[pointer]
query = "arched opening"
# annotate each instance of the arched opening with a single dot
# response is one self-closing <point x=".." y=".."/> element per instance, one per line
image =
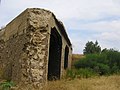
<point x="66" y="57"/>
<point x="54" y="64"/>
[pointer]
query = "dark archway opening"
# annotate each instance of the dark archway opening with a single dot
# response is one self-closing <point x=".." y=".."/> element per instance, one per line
<point x="54" y="64"/>
<point x="66" y="57"/>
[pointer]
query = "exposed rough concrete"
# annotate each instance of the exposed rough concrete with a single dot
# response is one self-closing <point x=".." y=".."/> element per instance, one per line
<point x="24" y="48"/>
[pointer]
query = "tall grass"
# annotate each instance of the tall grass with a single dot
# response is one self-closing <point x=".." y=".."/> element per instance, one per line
<point x="96" y="83"/>
<point x="80" y="73"/>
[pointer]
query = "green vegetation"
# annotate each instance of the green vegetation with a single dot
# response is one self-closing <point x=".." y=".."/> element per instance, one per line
<point x="103" y="62"/>
<point x="80" y="73"/>
<point x="96" y="62"/>
<point x="95" y="66"/>
<point x="6" y="85"/>
<point x="106" y="63"/>
<point x="92" y="48"/>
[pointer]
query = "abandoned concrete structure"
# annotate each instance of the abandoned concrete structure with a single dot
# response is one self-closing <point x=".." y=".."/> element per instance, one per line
<point x="34" y="48"/>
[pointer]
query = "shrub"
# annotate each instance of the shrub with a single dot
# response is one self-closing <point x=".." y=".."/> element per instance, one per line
<point x="114" y="58"/>
<point x="115" y="69"/>
<point x="108" y="62"/>
<point x="81" y="63"/>
<point x="90" y="61"/>
<point x="103" y="69"/>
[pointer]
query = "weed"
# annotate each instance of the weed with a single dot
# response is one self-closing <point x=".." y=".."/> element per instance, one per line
<point x="6" y="85"/>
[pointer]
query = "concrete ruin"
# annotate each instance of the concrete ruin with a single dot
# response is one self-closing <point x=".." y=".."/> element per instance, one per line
<point x="34" y="48"/>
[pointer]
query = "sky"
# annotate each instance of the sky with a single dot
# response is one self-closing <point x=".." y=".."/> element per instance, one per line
<point x="84" y="20"/>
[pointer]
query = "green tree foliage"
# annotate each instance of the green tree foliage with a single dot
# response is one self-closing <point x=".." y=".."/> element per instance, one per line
<point x="92" y="48"/>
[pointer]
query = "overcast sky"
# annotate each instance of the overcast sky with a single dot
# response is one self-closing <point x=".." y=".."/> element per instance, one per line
<point x="84" y="20"/>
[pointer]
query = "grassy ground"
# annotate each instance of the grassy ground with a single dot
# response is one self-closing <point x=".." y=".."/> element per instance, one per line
<point x="97" y="83"/>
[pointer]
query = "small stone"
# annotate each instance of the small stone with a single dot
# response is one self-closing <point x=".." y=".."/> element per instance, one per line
<point x="41" y="72"/>
<point x="41" y="56"/>
<point x="34" y="64"/>
<point x="31" y="52"/>
<point x="35" y="56"/>
<point x="41" y="64"/>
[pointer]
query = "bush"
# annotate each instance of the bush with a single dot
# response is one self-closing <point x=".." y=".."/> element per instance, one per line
<point x="114" y="58"/>
<point x="115" y="69"/>
<point x="103" y="69"/>
<point x="108" y="62"/>
<point x="90" y="61"/>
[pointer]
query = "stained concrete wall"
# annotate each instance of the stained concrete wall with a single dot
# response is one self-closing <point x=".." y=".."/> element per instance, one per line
<point x="24" y="47"/>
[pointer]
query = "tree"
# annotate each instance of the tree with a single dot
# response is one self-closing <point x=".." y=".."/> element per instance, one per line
<point x="109" y="50"/>
<point x="92" y="48"/>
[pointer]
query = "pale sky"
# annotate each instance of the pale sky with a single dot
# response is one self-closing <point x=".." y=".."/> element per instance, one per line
<point x="84" y="20"/>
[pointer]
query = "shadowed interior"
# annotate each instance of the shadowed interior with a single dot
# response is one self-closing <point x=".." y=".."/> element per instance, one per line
<point x="54" y="64"/>
<point x="66" y="57"/>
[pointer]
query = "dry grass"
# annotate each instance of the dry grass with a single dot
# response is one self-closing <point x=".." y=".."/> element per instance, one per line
<point x="98" y="83"/>
<point x="76" y="57"/>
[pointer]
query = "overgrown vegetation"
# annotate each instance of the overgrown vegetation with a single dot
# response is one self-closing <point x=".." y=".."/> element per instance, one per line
<point x="105" y="62"/>
<point x="80" y="73"/>
<point x="93" y="66"/>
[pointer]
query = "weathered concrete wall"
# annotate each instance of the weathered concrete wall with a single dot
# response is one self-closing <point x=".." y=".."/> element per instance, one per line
<point x="53" y="23"/>
<point x="12" y="40"/>
<point x="24" y="47"/>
